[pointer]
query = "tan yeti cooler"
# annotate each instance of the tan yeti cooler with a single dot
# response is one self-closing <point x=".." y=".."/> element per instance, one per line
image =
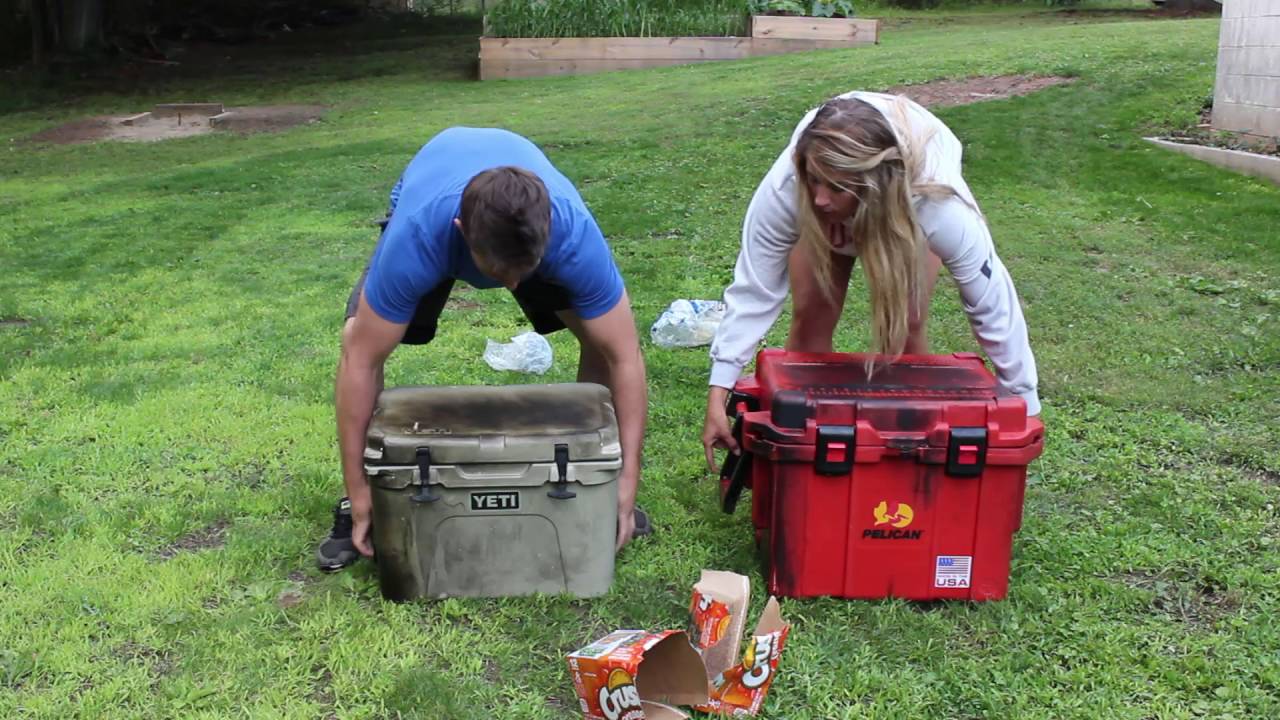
<point x="494" y="491"/>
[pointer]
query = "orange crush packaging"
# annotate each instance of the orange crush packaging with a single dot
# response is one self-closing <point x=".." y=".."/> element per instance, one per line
<point x="719" y="608"/>
<point x="718" y="613"/>
<point x="637" y="675"/>
<point x="741" y="689"/>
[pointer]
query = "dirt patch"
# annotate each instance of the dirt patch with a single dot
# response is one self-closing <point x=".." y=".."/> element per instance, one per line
<point x="1194" y="603"/>
<point x="322" y="687"/>
<point x="290" y="598"/>
<point x="1261" y="475"/>
<point x="1202" y="133"/>
<point x="945" y="93"/>
<point x="14" y="322"/>
<point x="158" y="662"/>
<point x="243" y="120"/>
<point x="1266" y="477"/>
<point x="208" y="538"/>
<point x="459" y="299"/>
<point x="460" y="304"/>
<point x="1157" y="13"/>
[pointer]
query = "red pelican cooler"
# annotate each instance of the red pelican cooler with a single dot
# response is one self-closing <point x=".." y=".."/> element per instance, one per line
<point x="906" y="483"/>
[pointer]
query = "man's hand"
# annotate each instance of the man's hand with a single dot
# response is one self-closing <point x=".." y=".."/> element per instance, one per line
<point x="612" y="339"/>
<point x="362" y="521"/>
<point x="626" y="526"/>
<point x="715" y="429"/>
<point x="367" y="340"/>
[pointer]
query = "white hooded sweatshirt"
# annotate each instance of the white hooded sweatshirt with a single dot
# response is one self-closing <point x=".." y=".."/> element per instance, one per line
<point x="955" y="230"/>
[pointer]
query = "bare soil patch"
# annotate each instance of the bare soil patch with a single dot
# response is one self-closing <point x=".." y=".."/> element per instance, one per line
<point x="1202" y="133"/>
<point x="944" y="93"/>
<point x="243" y="120"/>
<point x="1193" y="603"/>
<point x="207" y="538"/>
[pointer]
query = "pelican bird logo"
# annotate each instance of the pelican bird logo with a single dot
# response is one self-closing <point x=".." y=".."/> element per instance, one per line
<point x="900" y="518"/>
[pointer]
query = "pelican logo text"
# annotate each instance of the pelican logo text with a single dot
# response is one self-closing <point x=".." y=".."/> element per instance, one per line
<point x="760" y="654"/>
<point x="495" y="501"/>
<point x="619" y="699"/>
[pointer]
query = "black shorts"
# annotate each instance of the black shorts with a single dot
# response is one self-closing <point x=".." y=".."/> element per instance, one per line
<point x="539" y="299"/>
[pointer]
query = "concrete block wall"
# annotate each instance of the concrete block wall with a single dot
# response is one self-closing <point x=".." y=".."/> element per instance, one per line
<point x="1246" y="95"/>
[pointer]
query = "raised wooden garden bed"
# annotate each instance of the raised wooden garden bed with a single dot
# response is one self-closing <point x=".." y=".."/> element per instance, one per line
<point x="857" y="31"/>
<point x="532" y="57"/>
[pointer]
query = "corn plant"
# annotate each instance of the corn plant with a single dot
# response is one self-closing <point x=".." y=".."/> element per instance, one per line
<point x="618" y="18"/>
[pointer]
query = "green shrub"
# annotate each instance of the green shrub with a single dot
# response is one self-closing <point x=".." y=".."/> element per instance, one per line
<point x="618" y="18"/>
<point x="818" y="8"/>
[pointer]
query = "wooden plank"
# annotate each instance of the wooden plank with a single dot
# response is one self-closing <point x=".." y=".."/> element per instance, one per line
<point x="777" y="46"/>
<point x="534" y="57"/>
<point x="499" y="69"/>
<point x="856" y="31"/>
<point x="189" y="109"/>
<point x="676" y="48"/>
<point x="611" y="48"/>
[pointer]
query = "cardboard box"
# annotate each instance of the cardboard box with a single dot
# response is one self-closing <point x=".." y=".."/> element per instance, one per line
<point x="633" y="675"/>
<point x="720" y="602"/>
<point x="639" y="675"/>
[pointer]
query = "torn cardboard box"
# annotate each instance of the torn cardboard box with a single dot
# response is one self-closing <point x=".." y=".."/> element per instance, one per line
<point x="637" y="675"/>
<point x="719" y="609"/>
<point x="633" y="674"/>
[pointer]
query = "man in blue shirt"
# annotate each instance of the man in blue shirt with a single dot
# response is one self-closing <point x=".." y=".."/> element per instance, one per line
<point x="487" y="207"/>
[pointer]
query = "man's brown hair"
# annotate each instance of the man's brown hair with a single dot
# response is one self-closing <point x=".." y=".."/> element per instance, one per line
<point x="506" y="219"/>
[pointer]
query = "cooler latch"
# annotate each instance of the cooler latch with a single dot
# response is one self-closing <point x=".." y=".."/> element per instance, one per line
<point x="836" y="446"/>
<point x="425" y="494"/>
<point x="967" y="451"/>
<point x="560" y="489"/>
<point x="735" y="470"/>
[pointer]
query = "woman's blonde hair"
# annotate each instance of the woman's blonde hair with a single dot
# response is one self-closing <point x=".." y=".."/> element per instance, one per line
<point x="852" y="147"/>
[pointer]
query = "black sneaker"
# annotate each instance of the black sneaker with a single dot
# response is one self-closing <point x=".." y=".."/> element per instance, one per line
<point x="643" y="527"/>
<point x="338" y="551"/>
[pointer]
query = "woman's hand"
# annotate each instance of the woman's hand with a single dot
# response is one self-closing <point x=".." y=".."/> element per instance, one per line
<point x="715" y="429"/>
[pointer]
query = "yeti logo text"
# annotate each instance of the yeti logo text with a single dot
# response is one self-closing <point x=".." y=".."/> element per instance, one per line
<point x="495" y="501"/>
<point x="619" y="699"/>
<point x="761" y="652"/>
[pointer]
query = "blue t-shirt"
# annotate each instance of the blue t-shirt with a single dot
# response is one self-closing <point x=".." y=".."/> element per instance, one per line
<point x="421" y="247"/>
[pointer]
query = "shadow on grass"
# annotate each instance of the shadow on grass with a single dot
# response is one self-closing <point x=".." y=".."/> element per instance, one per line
<point x="403" y="44"/>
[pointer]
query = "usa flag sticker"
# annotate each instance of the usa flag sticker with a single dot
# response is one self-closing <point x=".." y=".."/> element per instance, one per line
<point x="952" y="571"/>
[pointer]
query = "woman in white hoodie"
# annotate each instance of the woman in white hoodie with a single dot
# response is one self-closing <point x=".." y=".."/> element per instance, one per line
<point x="874" y="177"/>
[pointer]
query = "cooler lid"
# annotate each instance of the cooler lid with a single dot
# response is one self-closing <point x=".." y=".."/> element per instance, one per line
<point x="913" y="403"/>
<point x="962" y="376"/>
<point x="492" y="424"/>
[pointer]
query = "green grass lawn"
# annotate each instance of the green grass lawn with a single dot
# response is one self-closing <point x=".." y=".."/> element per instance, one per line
<point x="169" y="319"/>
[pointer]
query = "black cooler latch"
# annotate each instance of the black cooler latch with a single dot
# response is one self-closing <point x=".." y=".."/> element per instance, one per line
<point x="735" y="470"/>
<point x="425" y="494"/>
<point x="560" y="489"/>
<point x="836" y="447"/>
<point x="967" y="451"/>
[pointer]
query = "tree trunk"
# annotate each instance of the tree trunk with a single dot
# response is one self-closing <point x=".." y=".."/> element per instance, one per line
<point x="35" y="10"/>
<point x="81" y="24"/>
